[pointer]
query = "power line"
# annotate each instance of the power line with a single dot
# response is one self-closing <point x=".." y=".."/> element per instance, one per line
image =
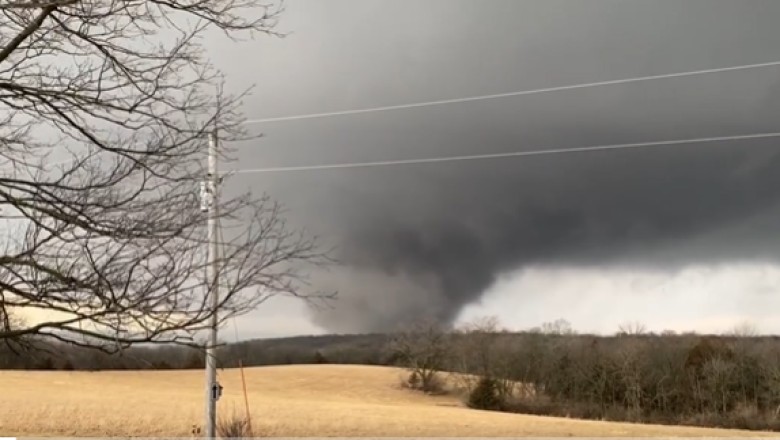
<point x="503" y="95"/>
<point x="510" y="94"/>
<point x="509" y="154"/>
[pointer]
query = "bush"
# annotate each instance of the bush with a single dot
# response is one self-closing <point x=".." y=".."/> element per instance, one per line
<point x="486" y="396"/>
<point x="234" y="426"/>
<point x="744" y="417"/>
<point x="319" y="358"/>
<point x="432" y="385"/>
<point x="413" y="381"/>
<point x="537" y="406"/>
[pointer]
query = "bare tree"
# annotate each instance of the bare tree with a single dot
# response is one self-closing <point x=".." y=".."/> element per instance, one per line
<point x="743" y="330"/>
<point x="483" y="349"/>
<point x="718" y="378"/>
<point x="633" y="328"/>
<point x="9" y="323"/>
<point x="424" y="349"/>
<point x="630" y="356"/>
<point x="557" y="327"/>
<point x="105" y="107"/>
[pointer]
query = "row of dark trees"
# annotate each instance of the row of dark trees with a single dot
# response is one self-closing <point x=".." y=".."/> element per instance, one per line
<point x="727" y="381"/>
<point x="66" y="357"/>
<point x="346" y="349"/>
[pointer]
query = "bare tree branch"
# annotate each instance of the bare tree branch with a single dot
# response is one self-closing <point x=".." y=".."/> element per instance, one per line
<point x="112" y="245"/>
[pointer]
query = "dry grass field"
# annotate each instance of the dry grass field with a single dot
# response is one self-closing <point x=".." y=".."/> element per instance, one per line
<point x="316" y="400"/>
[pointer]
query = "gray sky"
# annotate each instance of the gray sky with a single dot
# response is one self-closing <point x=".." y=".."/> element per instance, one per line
<point x="680" y="238"/>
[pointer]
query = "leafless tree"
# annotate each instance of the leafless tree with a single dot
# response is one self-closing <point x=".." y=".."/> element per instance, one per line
<point x="424" y="348"/>
<point x="557" y="327"/>
<point x="743" y="330"/>
<point x="632" y="328"/>
<point x="105" y="107"/>
<point x="718" y="378"/>
<point x="629" y="358"/>
<point x="482" y="348"/>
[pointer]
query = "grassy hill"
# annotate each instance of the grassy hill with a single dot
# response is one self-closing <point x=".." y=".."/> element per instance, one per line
<point x="304" y="400"/>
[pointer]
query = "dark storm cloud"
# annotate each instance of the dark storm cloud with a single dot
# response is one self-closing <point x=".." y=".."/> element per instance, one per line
<point x="429" y="239"/>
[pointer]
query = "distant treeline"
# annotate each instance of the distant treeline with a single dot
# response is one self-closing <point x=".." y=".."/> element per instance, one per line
<point x="708" y="380"/>
<point x="342" y="349"/>
<point x="725" y="381"/>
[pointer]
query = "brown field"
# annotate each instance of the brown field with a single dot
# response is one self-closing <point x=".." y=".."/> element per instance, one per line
<point x="321" y="400"/>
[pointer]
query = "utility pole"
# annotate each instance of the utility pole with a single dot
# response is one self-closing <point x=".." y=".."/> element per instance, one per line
<point x="209" y="202"/>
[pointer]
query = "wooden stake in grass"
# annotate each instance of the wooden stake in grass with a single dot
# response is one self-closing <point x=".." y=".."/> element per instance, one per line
<point x="246" y="397"/>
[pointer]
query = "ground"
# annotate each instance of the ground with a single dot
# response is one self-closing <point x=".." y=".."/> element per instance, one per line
<point x="311" y="400"/>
